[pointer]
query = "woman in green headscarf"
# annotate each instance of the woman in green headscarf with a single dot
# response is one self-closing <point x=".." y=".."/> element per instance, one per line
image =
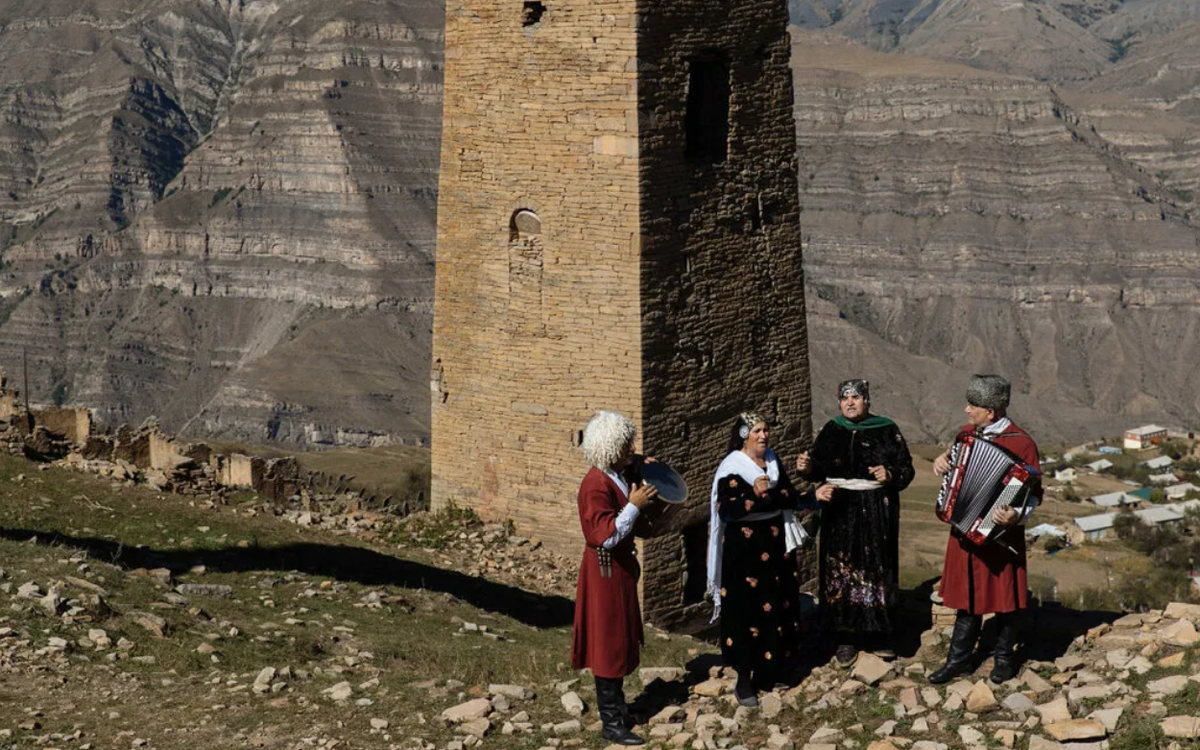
<point x="861" y="463"/>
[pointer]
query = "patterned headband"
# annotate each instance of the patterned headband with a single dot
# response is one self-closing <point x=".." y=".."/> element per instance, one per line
<point x="746" y="421"/>
<point x="854" y="388"/>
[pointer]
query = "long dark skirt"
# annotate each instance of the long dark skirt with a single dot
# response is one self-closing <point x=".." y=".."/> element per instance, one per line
<point x="760" y="598"/>
<point x="859" y="562"/>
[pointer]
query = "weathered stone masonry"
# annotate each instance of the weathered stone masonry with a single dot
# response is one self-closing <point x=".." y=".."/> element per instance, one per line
<point x="618" y="226"/>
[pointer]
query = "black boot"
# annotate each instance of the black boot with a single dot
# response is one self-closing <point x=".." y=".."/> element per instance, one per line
<point x="962" y="648"/>
<point x="610" y="702"/>
<point x="1004" y="666"/>
<point x="744" y="689"/>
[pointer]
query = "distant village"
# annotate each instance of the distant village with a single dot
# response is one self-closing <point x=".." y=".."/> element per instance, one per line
<point x="1153" y="475"/>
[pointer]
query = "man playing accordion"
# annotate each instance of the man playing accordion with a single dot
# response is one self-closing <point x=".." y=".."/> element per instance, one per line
<point x="979" y="579"/>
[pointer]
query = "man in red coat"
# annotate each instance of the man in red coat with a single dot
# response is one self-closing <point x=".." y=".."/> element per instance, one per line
<point x="979" y="580"/>
<point x="608" y="618"/>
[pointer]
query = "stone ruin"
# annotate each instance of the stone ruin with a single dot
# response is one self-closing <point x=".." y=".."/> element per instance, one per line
<point x="148" y="455"/>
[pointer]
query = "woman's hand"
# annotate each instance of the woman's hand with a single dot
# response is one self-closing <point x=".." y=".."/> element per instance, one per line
<point x="941" y="464"/>
<point x="881" y="474"/>
<point x="1005" y="516"/>
<point x="804" y="463"/>
<point x="643" y="495"/>
<point x="825" y="493"/>
<point x="761" y="485"/>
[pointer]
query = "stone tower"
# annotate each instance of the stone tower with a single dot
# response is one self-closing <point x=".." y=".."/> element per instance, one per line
<point x="618" y="227"/>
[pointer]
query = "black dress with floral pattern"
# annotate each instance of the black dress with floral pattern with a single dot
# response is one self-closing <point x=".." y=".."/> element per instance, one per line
<point x="860" y="530"/>
<point x="760" y="593"/>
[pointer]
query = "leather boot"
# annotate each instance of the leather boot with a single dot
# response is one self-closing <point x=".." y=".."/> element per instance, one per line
<point x="744" y="690"/>
<point x="962" y="648"/>
<point x="610" y="702"/>
<point x="1004" y="666"/>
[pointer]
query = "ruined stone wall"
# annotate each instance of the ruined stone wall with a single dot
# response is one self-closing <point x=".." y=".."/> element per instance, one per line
<point x="722" y="284"/>
<point x="536" y="321"/>
<point x="73" y="424"/>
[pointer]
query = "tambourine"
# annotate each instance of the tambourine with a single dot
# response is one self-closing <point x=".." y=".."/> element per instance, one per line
<point x="671" y="487"/>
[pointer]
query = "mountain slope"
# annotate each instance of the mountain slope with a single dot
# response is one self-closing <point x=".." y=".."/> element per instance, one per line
<point x="191" y="186"/>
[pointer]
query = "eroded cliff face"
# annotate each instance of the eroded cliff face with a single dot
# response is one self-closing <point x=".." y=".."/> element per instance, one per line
<point x="961" y="221"/>
<point x="222" y="212"/>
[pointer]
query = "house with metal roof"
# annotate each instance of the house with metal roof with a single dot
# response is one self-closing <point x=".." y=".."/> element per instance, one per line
<point x="1156" y="464"/>
<point x="1098" y="466"/>
<point x="1163" y="479"/>
<point x="1097" y="527"/>
<point x="1114" y="500"/>
<point x="1180" y="491"/>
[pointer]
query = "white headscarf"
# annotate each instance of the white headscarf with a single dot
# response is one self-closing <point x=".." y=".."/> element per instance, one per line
<point x="740" y="464"/>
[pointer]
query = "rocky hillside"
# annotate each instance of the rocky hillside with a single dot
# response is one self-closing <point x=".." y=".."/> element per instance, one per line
<point x="964" y="219"/>
<point x="221" y="212"/>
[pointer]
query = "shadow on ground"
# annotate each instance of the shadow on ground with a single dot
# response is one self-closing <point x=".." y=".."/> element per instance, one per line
<point x="341" y="562"/>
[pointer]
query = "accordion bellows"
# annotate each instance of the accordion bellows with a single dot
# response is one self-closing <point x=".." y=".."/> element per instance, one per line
<point x="982" y="477"/>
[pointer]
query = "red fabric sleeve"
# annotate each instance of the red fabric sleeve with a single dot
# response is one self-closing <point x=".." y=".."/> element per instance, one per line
<point x="598" y="508"/>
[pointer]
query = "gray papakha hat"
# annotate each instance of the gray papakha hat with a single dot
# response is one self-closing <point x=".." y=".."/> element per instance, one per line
<point x="989" y="392"/>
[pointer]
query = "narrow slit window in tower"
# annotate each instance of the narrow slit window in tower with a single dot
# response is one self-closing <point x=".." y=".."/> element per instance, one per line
<point x="707" y="119"/>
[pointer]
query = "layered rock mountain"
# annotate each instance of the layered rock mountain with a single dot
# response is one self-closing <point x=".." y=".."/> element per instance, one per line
<point x="960" y="220"/>
<point x="221" y="211"/>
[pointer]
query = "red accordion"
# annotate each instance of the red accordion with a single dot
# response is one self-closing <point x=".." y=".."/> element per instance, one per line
<point x="982" y="477"/>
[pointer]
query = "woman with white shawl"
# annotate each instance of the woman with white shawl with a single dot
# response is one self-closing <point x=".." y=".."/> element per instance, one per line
<point x="752" y="574"/>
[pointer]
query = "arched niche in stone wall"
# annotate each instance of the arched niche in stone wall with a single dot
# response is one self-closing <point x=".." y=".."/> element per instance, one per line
<point x="524" y="224"/>
<point x="525" y="299"/>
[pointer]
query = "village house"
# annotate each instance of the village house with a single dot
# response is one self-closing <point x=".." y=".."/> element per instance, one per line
<point x="1096" y="528"/>
<point x="1114" y="500"/>
<point x="1163" y="479"/>
<point x="1159" y="464"/>
<point x="1102" y="465"/>
<point x="1145" y="436"/>
<point x="1065" y="476"/>
<point x="1180" y="491"/>
<point x="1100" y="526"/>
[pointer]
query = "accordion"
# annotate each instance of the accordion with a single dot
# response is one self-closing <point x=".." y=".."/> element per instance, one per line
<point x="982" y="477"/>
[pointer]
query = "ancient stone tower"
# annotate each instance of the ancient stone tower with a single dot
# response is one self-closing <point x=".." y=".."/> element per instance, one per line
<point x="618" y="227"/>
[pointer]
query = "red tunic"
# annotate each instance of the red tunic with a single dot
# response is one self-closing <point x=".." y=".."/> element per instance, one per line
<point x="989" y="578"/>
<point x="608" y="618"/>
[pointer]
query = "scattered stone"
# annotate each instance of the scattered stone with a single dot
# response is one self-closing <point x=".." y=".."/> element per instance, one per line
<point x="870" y="669"/>
<point x="1167" y="685"/>
<point x="151" y="622"/>
<point x="886" y="729"/>
<point x="1035" y="682"/>
<point x="981" y="698"/>
<point x="1109" y="717"/>
<point x="205" y="589"/>
<point x="476" y="727"/>
<point x="971" y="736"/>
<point x="472" y="709"/>
<point x="1018" y="703"/>
<point x="1174" y="661"/>
<point x="711" y="687"/>
<point x="1181" y="727"/>
<point x="1076" y="729"/>
<point x="666" y="674"/>
<point x="667" y="716"/>
<point x="572" y="704"/>
<point x="515" y="692"/>
<point x="771" y="704"/>
<point x="567" y="727"/>
<point x="1182" y="633"/>
<point x="1056" y="710"/>
<point x="339" y="692"/>
<point x="380" y="724"/>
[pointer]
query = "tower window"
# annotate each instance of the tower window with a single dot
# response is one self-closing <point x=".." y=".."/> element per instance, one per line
<point x="531" y="15"/>
<point x="707" y="119"/>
